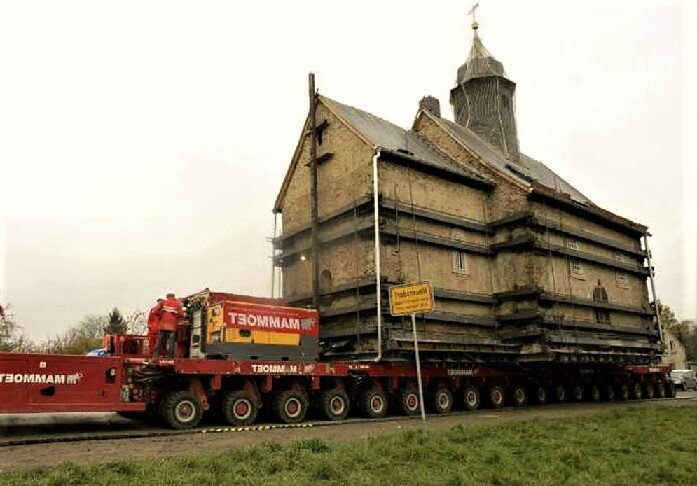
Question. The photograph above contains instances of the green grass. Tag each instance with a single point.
(631, 446)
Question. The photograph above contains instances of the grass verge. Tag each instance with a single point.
(630, 446)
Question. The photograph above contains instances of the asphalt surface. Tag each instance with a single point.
(14, 427)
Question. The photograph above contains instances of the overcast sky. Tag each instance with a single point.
(143, 143)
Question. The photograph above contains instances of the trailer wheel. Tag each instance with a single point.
(441, 400)
(559, 393)
(472, 397)
(373, 403)
(670, 389)
(239, 408)
(609, 392)
(519, 396)
(334, 404)
(496, 396)
(648, 390)
(180, 410)
(577, 393)
(290, 406)
(594, 393)
(540, 395)
(408, 402)
(660, 390)
(623, 392)
(637, 393)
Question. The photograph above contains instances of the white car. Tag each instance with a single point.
(684, 379)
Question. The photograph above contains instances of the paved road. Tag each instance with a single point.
(85, 452)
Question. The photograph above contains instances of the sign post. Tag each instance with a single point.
(408, 299)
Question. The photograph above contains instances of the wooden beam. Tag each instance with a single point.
(549, 297)
(430, 214)
(421, 237)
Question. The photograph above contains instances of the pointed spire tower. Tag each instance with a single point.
(483, 99)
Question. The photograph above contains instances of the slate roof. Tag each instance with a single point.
(527, 171)
(384, 134)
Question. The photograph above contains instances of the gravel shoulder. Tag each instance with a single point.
(91, 452)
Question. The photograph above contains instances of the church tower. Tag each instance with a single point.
(483, 99)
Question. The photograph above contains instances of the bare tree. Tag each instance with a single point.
(78, 339)
(11, 337)
(137, 322)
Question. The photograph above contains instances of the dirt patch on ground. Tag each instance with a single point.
(89, 452)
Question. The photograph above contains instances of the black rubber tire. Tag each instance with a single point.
(576, 393)
(408, 401)
(670, 389)
(622, 392)
(440, 400)
(540, 394)
(594, 394)
(660, 390)
(519, 396)
(637, 391)
(649, 391)
(472, 398)
(239, 408)
(334, 404)
(290, 406)
(559, 393)
(495, 396)
(179, 410)
(609, 393)
(373, 403)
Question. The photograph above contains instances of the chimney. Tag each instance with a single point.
(431, 105)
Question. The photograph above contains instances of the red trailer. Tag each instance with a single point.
(178, 391)
(237, 354)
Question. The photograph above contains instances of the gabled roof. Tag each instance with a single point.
(383, 134)
(533, 174)
(527, 171)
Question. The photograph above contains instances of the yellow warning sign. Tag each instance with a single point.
(411, 298)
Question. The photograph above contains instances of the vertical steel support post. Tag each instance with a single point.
(378, 276)
(313, 189)
(273, 254)
(653, 287)
(418, 370)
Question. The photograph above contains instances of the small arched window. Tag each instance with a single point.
(325, 279)
(602, 316)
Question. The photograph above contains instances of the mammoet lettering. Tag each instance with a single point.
(40, 378)
(267, 322)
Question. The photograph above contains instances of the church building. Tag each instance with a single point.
(524, 267)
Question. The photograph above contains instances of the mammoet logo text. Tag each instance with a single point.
(274, 368)
(270, 322)
(41, 378)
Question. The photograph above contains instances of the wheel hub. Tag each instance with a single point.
(376, 403)
(242, 409)
(337, 405)
(293, 407)
(185, 411)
